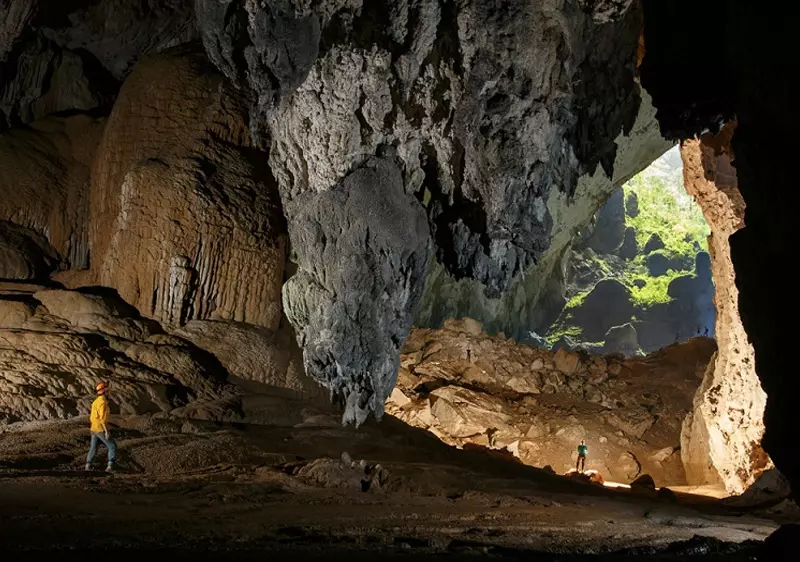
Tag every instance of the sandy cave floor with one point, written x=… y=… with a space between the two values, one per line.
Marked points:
x=239 y=489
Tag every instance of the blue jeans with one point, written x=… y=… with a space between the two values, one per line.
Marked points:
x=109 y=443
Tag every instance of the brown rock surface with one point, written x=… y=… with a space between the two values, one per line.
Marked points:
x=44 y=175
x=186 y=223
x=254 y=353
x=721 y=439
x=494 y=392
x=56 y=345
x=24 y=254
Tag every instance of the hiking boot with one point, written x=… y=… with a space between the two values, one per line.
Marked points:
x=109 y=469
x=88 y=468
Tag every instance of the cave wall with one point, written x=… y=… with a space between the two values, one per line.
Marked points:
x=536 y=296
x=748 y=81
x=178 y=142
x=721 y=439
x=484 y=109
x=372 y=135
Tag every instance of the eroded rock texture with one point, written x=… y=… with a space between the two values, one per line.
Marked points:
x=485 y=126
x=24 y=254
x=44 y=180
x=721 y=440
x=71 y=56
x=461 y=129
x=472 y=389
x=56 y=345
x=362 y=249
x=748 y=83
x=186 y=220
x=535 y=298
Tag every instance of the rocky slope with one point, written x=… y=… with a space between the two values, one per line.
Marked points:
x=55 y=345
x=472 y=389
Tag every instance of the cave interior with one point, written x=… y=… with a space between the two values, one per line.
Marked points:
x=413 y=251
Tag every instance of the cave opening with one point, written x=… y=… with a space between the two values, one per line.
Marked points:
x=638 y=277
x=643 y=356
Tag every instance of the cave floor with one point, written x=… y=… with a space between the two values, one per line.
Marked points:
x=242 y=490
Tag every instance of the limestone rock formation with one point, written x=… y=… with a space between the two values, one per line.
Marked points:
x=607 y=305
x=56 y=345
x=622 y=339
x=632 y=205
x=44 y=177
x=253 y=353
x=721 y=438
x=362 y=251
x=609 y=226
x=24 y=254
x=653 y=244
x=535 y=299
x=747 y=83
x=178 y=142
x=629 y=247
x=73 y=57
x=470 y=388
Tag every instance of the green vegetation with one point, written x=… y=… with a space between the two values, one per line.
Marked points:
x=664 y=209
x=667 y=210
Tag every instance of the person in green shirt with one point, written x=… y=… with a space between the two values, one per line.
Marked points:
x=582 y=450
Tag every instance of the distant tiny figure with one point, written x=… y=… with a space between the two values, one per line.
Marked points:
x=99 y=428
x=582 y=450
x=705 y=332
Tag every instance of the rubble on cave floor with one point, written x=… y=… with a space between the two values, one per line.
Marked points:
x=307 y=483
x=469 y=388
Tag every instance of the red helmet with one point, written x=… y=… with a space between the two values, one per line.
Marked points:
x=101 y=387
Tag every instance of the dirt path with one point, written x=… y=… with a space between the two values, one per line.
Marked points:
x=202 y=487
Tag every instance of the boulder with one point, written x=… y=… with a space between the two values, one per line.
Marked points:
x=622 y=339
x=254 y=353
x=644 y=481
x=608 y=304
x=653 y=244
x=460 y=413
x=629 y=248
x=667 y=495
x=659 y=263
x=566 y=361
x=103 y=313
x=632 y=205
x=770 y=488
x=609 y=226
x=467 y=325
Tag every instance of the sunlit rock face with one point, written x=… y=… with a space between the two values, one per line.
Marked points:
x=721 y=440
x=536 y=297
x=468 y=388
x=745 y=78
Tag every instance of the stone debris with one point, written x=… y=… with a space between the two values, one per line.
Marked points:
x=472 y=389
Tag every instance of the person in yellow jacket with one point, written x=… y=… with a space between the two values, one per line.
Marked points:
x=100 y=432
